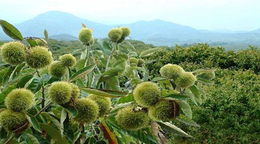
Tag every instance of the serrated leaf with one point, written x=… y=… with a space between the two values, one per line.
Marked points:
x=11 y=31
x=104 y=45
x=143 y=135
x=195 y=91
x=185 y=107
x=54 y=134
x=187 y=121
x=35 y=85
x=126 y=99
x=34 y=123
x=46 y=35
x=51 y=118
x=204 y=81
x=16 y=71
x=23 y=81
x=178 y=96
x=32 y=139
x=158 y=79
x=73 y=111
x=149 y=52
x=108 y=93
x=31 y=42
x=82 y=72
x=5 y=92
x=7 y=75
x=173 y=129
x=204 y=70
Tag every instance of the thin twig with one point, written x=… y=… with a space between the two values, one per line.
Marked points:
x=42 y=109
x=109 y=57
x=11 y=137
x=92 y=55
x=43 y=96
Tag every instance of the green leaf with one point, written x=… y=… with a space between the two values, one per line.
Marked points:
x=158 y=79
x=204 y=81
x=51 y=118
x=32 y=139
x=204 y=70
x=23 y=81
x=187 y=121
x=54 y=134
x=46 y=35
x=63 y=117
x=173 y=129
x=178 y=96
x=32 y=42
x=73 y=111
x=185 y=107
x=5 y=92
x=126 y=99
x=143 y=135
x=11 y=31
x=82 y=72
x=105 y=93
x=149 y=52
x=195 y=91
x=35 y=85
x=7 y=75
x=104 y=45
x=16 y=71
x=34 y=123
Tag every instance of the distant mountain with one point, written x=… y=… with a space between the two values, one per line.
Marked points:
x=65 y=26
x=64 y=37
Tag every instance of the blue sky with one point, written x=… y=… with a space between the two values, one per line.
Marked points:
x=200 y=14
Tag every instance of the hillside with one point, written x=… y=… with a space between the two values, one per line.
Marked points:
x=65 y=26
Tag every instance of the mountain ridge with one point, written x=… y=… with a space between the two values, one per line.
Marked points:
x=155 y=31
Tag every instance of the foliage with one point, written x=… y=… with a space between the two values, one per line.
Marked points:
x=60 y=115
x=230 y=114
x=207 y=57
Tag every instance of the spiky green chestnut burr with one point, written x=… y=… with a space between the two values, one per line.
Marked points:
x=121 y=40
x=13 y=53
x=140 y=62
x=133 y=61
x=57 y=69
x=115 y=34
x=85 y=35
x=185 y=80
x=87 y=110
x=42 y=42
x=75 y=91
x=146 y=94
x=130 y=119
x=104 y=103
x=12 y=120
x=60 y=92
x=164 y=110
x=126 y=31
x=207 y=75
x=38 y=57
x=68 y=60
x=171 y=71
x=90 y=43
x=19 y=100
